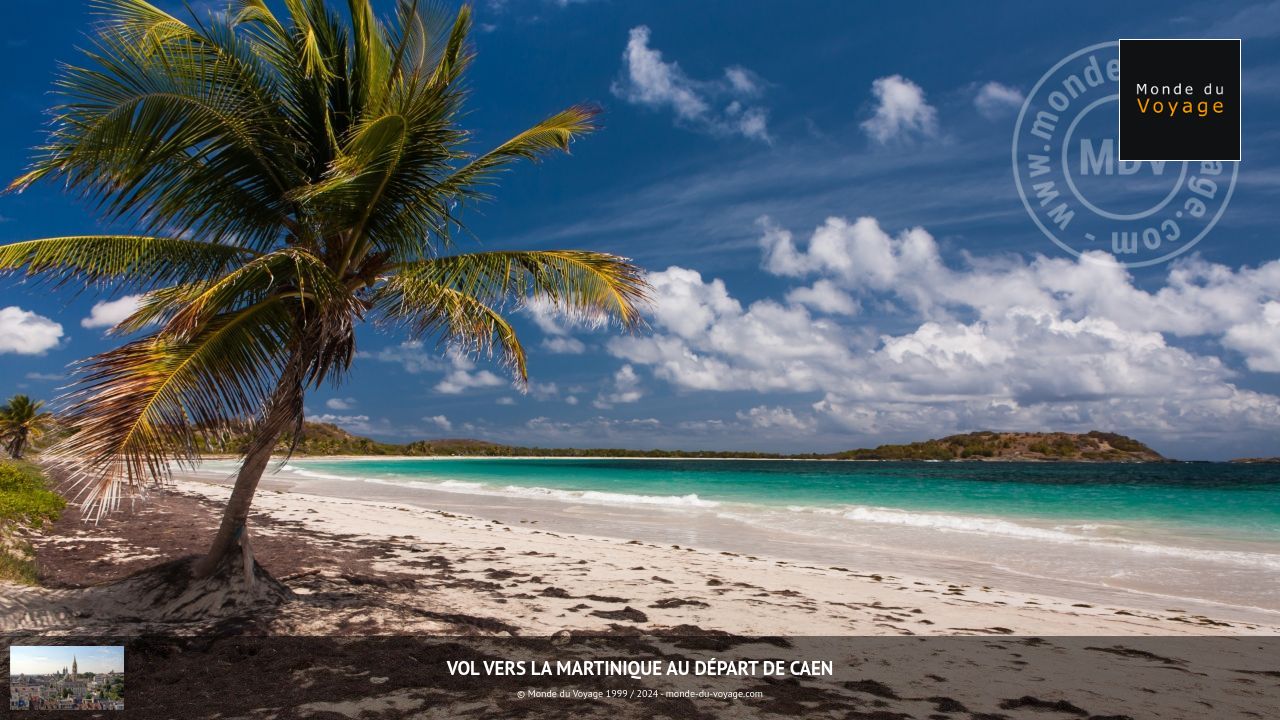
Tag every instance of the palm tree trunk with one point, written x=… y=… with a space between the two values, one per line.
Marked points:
x=281 y=412
x=19 y=444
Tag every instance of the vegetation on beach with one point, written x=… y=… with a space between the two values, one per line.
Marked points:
x=283 y=178
x=26 y=505
x=327 y=439
x=1091 y=446
x=22 y=422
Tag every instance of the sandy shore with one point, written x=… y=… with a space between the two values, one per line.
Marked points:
x=432 y=569
x=381 y=592
x=542 y=581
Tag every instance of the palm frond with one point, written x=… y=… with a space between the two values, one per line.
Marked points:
x=289 y=272
x=460 y=297
x=455 y=319
x=126 y=261
x=582 y=284
x=143 y=405
x=555 y=133
x=174 y=129
x=318 y=162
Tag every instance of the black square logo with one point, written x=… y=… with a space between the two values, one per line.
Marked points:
x=1179 y=100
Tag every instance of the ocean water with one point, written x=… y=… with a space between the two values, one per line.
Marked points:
x=1187 y=530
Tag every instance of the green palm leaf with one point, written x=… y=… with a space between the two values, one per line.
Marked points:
x=144 y=404
x=127 y=261
x=277 y=175
x=460 y=297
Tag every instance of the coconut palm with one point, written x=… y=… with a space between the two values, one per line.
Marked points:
x=284 y=178
x=21 y=423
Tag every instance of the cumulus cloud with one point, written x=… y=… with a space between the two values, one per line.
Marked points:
x=353 y=423
x=544 y=391
x=23 y=332
x=564 y=346
x=626 y=389
x=464 y=376
x=556 y=324
x=460 y=371
x=1258 y=339
x=361 y=424
x=901 y=111
x=994 y=342
x=824 y=296
x=995 y=101
x=764 y=417
x=439 y=421
x=597 y=430
x=412 y=355
x=706 y=340
x=110 y=313
x=720 y=107
x=340 y=403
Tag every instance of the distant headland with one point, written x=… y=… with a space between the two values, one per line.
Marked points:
x=320 y=439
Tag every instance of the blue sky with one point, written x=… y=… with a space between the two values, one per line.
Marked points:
x=48 y=659
x=824 y=197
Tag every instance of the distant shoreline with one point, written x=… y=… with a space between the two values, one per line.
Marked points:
x=1031 y=461
x=328 y=440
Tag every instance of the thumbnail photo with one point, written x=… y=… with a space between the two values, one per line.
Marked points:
x=66 y=677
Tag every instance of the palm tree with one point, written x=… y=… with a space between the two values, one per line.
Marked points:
x=22 y=422
x=283 y=180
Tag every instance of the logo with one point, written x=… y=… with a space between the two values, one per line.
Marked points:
x=1180 y=100
x=1082 y=196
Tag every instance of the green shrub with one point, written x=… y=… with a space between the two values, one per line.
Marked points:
x=25 y=503
x=24 y=499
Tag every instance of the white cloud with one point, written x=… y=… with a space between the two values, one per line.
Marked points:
x=411 y=355
x=464 y=376
x=353 y=423
x=775 y=418
x=995 y=101
x=745 y=82
x=564 y=346
x=595 y=431
x=460 y=372
x=707 y=341
x=361 y=424
x=110 y=313
x=1049 y=343
x=440 y=421
x=556 y=323
x=506 y=400
x=718 y=107
x=340 y=403
x=544 y=391
x=25 y=333
x=48 y=377
x=824 y=296
x=901 y=111
x=1258 y=339
x=626 y=389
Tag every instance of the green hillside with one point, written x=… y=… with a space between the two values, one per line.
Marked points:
x=327 y=439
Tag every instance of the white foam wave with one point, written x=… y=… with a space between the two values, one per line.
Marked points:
x=1084 y=533
x=594 y=497
x=609 y=498
x=1004 y=528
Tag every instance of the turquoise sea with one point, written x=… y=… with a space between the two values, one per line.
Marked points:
x=1209 y=531
x=1231 y=501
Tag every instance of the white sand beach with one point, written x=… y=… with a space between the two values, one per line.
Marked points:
x=541 y=579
